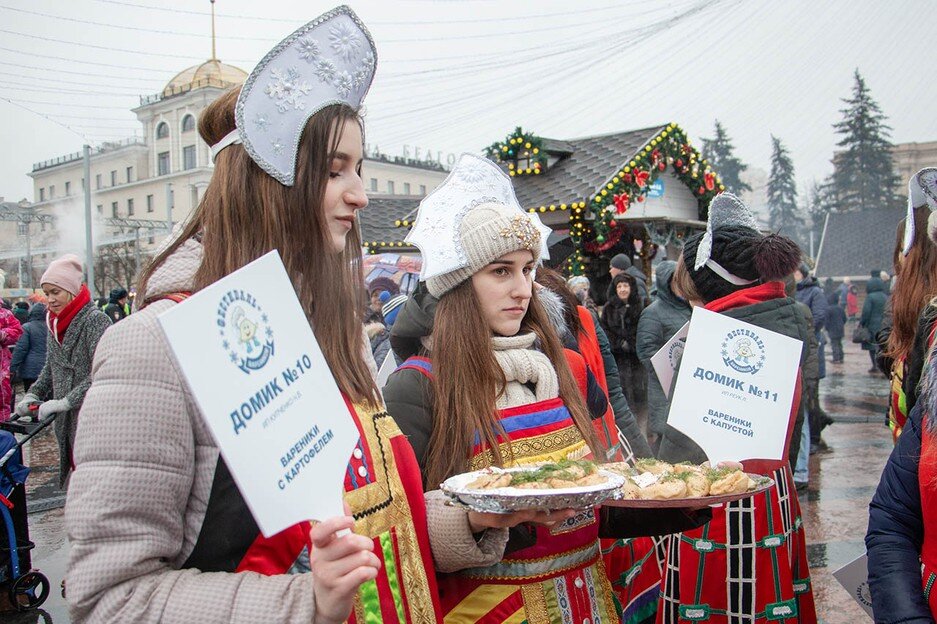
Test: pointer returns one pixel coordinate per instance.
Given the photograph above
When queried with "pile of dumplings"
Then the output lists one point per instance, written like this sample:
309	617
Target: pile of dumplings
651	479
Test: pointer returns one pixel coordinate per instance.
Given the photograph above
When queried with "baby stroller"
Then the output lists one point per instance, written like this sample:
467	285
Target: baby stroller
21	587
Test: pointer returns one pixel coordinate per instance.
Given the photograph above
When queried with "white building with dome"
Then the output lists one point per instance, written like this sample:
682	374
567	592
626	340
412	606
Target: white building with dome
156	179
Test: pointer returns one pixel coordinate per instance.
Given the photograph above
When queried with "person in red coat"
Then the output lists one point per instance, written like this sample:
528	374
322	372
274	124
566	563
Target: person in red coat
10	332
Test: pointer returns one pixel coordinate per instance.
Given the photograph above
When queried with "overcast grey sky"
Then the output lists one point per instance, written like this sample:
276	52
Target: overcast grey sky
455	76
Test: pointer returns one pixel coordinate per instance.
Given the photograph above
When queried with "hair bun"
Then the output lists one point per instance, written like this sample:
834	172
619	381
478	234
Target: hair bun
776	257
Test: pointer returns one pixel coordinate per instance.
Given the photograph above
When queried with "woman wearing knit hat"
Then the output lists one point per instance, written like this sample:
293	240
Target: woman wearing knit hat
75	327
158	528
754	568
902	535
486	382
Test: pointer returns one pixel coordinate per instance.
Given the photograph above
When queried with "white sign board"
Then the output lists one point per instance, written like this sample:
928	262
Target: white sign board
256	371
854	576
735	388
667	359
388	366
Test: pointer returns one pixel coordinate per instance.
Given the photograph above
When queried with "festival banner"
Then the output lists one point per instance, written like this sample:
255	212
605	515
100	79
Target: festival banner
252	363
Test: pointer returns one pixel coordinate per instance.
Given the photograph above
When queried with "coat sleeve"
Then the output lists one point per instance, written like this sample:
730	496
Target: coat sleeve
896	532
10	330
866	312
19	352
98	323
128	500
624	417
650	339
42	387
408	397
818	307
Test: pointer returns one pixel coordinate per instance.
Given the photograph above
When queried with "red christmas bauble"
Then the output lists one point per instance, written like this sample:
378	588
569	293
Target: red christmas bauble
661	166
679	163
613	223
701	190
640	198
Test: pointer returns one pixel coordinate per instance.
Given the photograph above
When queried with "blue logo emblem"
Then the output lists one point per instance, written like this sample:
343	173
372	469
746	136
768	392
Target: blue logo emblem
245	331
743	351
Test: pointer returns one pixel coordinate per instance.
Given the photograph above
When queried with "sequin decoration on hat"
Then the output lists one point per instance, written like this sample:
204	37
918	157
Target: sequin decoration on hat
922	189
472	182
725	209
330	60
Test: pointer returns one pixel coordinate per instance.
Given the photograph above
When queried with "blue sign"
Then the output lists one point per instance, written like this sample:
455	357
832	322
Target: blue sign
656	189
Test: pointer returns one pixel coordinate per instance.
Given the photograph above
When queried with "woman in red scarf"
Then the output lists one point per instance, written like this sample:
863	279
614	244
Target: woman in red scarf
749	564
75	327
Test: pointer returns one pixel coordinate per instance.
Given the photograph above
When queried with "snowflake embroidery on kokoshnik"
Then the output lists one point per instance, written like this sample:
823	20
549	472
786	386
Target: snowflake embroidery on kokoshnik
308	49
325	70
524	231
277	146
343	83
360	76
261	122
345	41
288	89
367	61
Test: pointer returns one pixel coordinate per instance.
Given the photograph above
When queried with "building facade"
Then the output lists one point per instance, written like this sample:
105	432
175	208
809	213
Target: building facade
141	185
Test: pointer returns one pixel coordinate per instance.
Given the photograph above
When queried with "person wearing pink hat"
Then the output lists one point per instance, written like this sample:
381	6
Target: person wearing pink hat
75	327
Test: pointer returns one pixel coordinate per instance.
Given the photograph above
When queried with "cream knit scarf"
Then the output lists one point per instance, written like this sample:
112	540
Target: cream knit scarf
524	366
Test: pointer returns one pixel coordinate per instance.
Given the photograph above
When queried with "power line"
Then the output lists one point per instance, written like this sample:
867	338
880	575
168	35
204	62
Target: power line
72	60
46	117
83	83
62	71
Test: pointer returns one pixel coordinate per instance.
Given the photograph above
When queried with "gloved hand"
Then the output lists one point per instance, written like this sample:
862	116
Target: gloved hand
22	408
53	407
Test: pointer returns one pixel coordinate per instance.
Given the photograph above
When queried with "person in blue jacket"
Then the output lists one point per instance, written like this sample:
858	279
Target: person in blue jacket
29	354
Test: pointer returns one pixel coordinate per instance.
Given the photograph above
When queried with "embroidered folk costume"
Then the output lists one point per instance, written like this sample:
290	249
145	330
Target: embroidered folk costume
749	564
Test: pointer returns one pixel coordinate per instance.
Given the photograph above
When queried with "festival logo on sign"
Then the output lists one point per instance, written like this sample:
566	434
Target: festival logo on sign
245	331
863	595
743	351
675	353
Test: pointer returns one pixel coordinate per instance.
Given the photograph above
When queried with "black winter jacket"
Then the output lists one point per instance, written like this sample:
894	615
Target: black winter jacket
29	354
659	322
896	533
810	293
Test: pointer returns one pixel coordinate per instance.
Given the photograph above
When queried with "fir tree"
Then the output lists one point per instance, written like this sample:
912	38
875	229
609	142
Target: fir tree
863	171
719	151
783	213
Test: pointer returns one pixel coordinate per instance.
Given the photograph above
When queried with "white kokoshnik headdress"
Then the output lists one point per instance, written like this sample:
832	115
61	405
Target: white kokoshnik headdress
725	209
922	189
330	60
474	182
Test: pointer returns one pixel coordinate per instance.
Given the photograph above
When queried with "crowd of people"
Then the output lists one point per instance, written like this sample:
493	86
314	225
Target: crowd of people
497	360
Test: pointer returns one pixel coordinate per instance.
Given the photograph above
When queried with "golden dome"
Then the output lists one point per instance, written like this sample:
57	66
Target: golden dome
211	73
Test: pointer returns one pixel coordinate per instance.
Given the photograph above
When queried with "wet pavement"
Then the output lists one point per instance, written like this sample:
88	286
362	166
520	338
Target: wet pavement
835	507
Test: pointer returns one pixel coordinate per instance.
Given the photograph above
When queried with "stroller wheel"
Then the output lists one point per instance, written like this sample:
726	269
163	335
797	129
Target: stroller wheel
29	591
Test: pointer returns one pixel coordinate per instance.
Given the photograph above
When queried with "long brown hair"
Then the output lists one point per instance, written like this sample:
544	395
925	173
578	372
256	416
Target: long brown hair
245	213
916	285
468	381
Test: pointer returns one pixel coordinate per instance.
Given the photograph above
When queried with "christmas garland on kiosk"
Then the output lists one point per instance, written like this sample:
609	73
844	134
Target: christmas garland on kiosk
521	151
671	149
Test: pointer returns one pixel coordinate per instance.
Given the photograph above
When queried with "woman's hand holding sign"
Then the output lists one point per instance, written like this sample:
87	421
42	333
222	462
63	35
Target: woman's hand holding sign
341	561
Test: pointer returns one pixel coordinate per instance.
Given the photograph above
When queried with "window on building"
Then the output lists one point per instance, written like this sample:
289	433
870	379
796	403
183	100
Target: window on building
42	226
82	184
151	240
68	189
162	130
162	163
100	209
42	194
390	187
114	178
23	228
406	188
129	174
149	203
51	191
97	181
188	123
374	184
422	189
188	157
114	212
130	207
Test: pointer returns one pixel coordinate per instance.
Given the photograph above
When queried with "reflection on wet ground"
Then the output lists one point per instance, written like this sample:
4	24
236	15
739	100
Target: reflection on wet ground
835	508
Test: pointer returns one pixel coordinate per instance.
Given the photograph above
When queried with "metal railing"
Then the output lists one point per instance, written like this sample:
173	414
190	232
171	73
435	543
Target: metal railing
190	86
100	149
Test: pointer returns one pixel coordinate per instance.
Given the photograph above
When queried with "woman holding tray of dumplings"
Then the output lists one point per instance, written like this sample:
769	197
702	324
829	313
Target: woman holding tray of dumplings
158	528
750	563
486	382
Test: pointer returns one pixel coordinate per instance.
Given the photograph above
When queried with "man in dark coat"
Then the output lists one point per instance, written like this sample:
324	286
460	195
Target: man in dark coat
873	312
810	294
835	327
117	308
622	264
658	324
